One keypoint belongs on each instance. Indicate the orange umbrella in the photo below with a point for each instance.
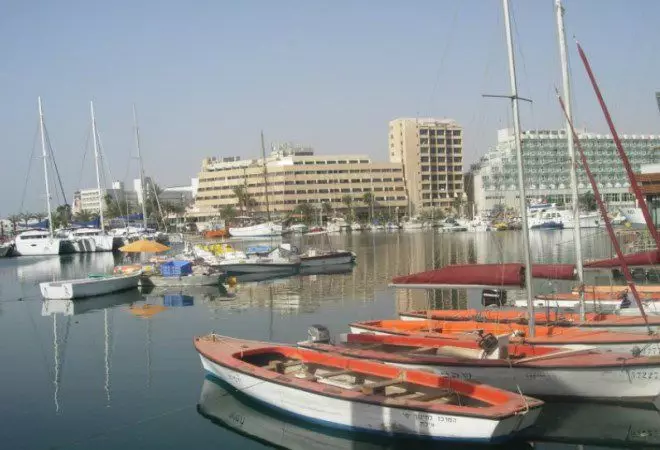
(144, 246)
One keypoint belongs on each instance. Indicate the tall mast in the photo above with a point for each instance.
(566, 82)
(263, 154)
(42, 129)
(142, 191)
(521, 175)
(96, 162)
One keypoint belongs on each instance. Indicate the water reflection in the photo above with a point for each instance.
(231, 410)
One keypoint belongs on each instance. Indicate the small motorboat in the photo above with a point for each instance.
(593, 320)
(95, 284)
(315, 257)
(581, 372)
(553, 336)
(365, 395)
(274, 260)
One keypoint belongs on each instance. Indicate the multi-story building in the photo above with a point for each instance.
(546, 167)
(296, 176)
(431, 152)
(89, 199)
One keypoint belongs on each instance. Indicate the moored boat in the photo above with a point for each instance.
(265, 229)
(365, 395)
(584, 372)
(554, 317)
(155, 280)
(552, 336)
(89, 287)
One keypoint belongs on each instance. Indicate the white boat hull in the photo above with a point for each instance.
(87, 287)
(651, 349)
(604, 306)
(247, 267)
(189, 280)
(326, 260)
(38, 247)
(261, 230)
(377, 418)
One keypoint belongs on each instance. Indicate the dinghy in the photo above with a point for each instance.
(365, 395)
(89, 287)
(584, 372)
(613, 322)
(637, 343)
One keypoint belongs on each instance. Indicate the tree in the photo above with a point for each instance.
(348, 201)
(588, 201)
(228, 212)
(25, 218)
(14, 219)
(114, 207)
(368, 199)
(243, 197)
(306, 212)
(83, 216)
(457, 205)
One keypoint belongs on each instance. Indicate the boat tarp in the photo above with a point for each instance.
(632, 259)
(497, 275)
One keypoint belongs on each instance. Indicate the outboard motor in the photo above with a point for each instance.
(318, 334)
(493, 297)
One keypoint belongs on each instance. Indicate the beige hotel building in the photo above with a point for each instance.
(431, 153)
(296, 176)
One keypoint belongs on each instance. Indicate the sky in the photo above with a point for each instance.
(207, 76)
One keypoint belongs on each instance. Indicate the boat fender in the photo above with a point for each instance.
(319, 334)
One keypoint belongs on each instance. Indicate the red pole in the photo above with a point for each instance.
(608, 223)
(622, 154)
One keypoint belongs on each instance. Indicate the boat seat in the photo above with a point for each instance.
(440, 394)
(460, 352)
(280, 366)
(337, 373)
(379, 386)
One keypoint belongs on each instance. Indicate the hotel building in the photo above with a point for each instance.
(431, 153)
(546, 167)
(297, 176)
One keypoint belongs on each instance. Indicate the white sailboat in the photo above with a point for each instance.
(264, 229)
(42, 242)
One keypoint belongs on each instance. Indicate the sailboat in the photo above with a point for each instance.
(93, 239)
(42, 242)
(262, 229)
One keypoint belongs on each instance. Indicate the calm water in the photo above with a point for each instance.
(121, 371)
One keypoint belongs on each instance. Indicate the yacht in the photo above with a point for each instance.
(40, 243)
(412, 223)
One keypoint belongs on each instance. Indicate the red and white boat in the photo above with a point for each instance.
(553, 336)
(585, 373)
(365, 395)
(593, 321)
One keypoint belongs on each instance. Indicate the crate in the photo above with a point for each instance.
(176, 268)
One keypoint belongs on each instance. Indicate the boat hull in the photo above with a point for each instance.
(38, 247)
(645, 348)
(364, 417)
(189, 280)
(247, 268)
(261, 230)
(87, 287)
(327, 260)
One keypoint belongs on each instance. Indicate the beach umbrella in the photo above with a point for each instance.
(144, 246)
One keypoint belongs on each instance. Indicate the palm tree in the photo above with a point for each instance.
(242, 197)
(14, 219)
(228, 212)
(25, 218)
(368, 199)
(306, 212)
(82, 216)
(348, 201)
(457, 204)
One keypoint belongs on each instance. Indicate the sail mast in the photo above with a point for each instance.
(622, 154)
(608, 224)
(42, 129)
(96, 162)
(521, 176)
(142, 191)
(263, 154)
(566, 82)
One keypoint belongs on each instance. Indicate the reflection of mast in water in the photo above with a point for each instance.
(106, 333)
(56, 357)
(148, 353)
(270, 322)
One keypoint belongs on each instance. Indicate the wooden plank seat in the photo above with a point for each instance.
(336, 373)
(379, 386)
(281, 366)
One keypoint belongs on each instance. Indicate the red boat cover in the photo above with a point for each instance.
(632, 259)
(509, 274)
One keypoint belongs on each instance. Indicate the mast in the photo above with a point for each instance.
(622, 154)
(142, 191)
(608, 224)
(44, 155)
(96, 162)
(566, 82)
(263, 154)
(521, 176)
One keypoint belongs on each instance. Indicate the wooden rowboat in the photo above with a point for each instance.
(365, 395)
(584, 373)
(614, 322)
(553, 336)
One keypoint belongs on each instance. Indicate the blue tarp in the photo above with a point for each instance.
(43, 224)
(95, 223)
(175, 300)
(259, 249)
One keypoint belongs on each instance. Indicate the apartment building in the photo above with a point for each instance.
(296, 176)
(431, 154)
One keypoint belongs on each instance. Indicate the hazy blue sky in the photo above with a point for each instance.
(208, 75)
